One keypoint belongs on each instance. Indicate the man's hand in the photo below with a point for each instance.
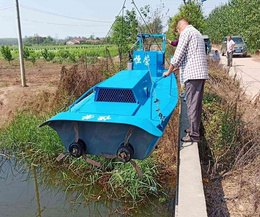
(166, 74)
(170, 71)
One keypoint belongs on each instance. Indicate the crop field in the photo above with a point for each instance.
(60, 53)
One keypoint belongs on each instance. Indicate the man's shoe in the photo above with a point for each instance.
(187, 130)
(189, 138)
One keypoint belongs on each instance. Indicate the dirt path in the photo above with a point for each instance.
(41, 77)
(247, 70)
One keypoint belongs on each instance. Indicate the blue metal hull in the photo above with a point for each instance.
(103, 126)
(106, 137)
(141, 99)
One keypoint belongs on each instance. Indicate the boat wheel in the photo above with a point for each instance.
(125, 152)
(77, 149)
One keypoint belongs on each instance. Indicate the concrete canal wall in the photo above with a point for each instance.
(190, 199)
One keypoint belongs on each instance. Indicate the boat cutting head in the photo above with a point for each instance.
(125, 153)
(76, 149)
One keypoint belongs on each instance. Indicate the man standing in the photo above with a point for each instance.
(230, 46)
(190, 57)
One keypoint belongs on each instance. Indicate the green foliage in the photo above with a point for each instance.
(33, 59)
(72, 58)
(153, 19)
(23, 134)
(26, 53)
(47, 55)
(8, 41)
(6, 52)
(51, 56)
(78, 50)
(124, 31)
(226, 137)
(124, 181)
(63, 54)
(38, 40)
(239, 17)
(29, 55)
(24, 138)
(223, 127)
(192, 13)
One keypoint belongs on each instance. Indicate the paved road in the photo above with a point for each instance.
(248, 71)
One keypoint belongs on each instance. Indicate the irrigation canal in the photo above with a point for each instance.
(29, 191)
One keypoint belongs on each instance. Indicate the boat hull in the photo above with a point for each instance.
(105, 137)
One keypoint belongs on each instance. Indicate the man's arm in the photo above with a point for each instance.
(179, 54)
(233, 45)
(170, 70)
(173, 43)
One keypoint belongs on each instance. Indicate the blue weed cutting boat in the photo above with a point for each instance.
(123, 116)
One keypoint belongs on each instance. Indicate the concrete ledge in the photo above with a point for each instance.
(190, 199)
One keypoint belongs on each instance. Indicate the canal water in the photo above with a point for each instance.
(29, 191)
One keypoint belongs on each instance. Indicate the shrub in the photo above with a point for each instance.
(48, 56)
(6, 52)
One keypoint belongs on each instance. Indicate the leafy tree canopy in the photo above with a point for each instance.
(239, 17)
(191, 12)
(8, 41)
(6, 52)
(38, 40)
(153, 19)
(124, 30)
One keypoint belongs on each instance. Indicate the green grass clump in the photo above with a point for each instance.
(24, 139)
(23, 134)
(223, 128)
(124, 180)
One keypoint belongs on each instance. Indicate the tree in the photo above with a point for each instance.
(48, 56)
(124, 32)
(6, 52)
(192, 13)
(26, 53)
(32, 58)
(153, 19)
(48, 41)
(8, 41)
(36, 40)
(239, 17)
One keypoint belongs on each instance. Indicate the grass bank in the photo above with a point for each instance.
(23, 138)
(230, 149)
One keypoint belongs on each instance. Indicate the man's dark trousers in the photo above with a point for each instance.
(229, 58)
(194, 94)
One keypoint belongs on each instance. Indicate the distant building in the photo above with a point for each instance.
(75, 41)
(93, 40)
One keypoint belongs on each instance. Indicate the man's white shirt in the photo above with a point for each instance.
(229, 45)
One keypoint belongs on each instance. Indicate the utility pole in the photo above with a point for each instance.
(20, 45)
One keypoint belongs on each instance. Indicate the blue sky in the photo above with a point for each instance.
(75, 18)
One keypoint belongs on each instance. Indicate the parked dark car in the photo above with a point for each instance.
(206, 39)
(239, 49)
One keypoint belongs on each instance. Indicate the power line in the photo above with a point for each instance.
(59, 24)
(7, 7)
(60, 15)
